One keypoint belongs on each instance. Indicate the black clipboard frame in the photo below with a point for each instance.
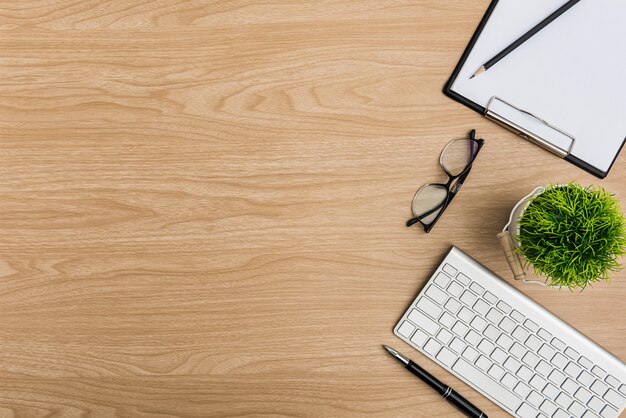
(447, 90)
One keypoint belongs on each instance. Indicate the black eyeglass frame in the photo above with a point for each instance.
(452, 186)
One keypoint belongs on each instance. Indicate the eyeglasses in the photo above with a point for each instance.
(431, 200)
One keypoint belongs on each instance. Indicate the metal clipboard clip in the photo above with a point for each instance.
(506, 122)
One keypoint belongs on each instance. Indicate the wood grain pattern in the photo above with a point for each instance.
(202, 205)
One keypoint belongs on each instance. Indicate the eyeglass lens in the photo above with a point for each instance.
(428, 202)
(457, 155)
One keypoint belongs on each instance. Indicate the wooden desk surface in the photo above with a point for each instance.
(202, 205)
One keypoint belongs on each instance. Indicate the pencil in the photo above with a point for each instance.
(506, 51)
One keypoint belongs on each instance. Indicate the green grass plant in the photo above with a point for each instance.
(573, 235)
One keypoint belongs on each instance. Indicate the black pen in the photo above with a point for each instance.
(446, 391)
(545, 22)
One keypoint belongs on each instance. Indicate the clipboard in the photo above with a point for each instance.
(543, 121)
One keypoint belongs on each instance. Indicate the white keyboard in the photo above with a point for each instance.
(509, 348)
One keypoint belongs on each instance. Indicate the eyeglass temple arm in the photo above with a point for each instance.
(416, 219)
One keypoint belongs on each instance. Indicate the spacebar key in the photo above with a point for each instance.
(482, 381)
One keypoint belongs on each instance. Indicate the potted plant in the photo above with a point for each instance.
(569, 234)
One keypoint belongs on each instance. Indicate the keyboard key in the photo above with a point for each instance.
(559, 360)
(436, 294)
(455, 289)
(530, 359)
(463, 279)
(504, 307)
(614, 398)
(406, 329)
(452, 305)
(491, 332)
(526, 411)
(507, 324)
(448, 269)
(483, 363)
(543, 368)
(473, 338)
(560, 414)
(585, 378)
(598, 387)
(576, 409)
(457, 345)
(478, 323)
(563, 400)
(496, 372)
(444, 336)
(460, 329)
(583, 395)
(428, 307)
(423, 322)
(517, 350)
(524, 373)
(589, 414)
(419, 338)
(608, 412)
(447, 320)
(550, 391)
(469, 372)
(537, 382)
(490, 297)
(481, 307)
(478, 289)
(446, 357)
(556, 377)
(432, 347)
(508, 380)
(498, 356)
(585, 362)
(504, 341)
(571, 353)
(533, 343)
(511, 364)
(572, 369)
(546, 351)
(520, 334)
(465, 314)
(522, 389)
(548, 407)
(558, 344)
(531, 325)
(442, 280)
(598, 372)
(470, 354)
(517, 316)
(534, 399)
(494, 315)
(569, 386)
(544, 334)
(622, 389)
(612, 381)
(468, 298)
(595, 404)
(485, 346)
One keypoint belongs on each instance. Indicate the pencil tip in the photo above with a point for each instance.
(478, 72)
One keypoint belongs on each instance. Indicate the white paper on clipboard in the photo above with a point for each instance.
(571, 74)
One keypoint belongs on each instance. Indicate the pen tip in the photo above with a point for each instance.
(390, 350)
(473, 75)
(397, 355)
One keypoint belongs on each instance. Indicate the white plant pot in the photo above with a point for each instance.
(518, 210)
